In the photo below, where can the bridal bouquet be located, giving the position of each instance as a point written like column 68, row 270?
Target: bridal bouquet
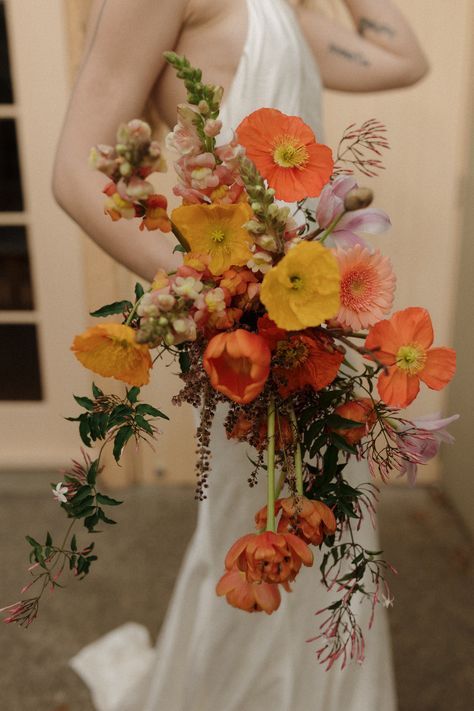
column 279, row 310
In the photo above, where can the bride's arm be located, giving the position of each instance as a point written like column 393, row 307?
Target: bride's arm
column 382, row 53
column 122, row 60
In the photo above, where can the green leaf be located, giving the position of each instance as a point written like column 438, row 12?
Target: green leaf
column 49, row 540
column 82, row 493
column 85, row 402
column 184, row 361
column 73, row 543
column 118, row 307
column 84, row 432
column 32, row 542
column 107, row 500
column 339, row 422
column 92, row 473
column 139, row 291
column 104, row 518
column 121, row 439
column 133, row 394
column 97, row 392
column 77, row 510
column 145, row 409
column 179, row 248
column 330, row 460
column 341, row 443
column 143, row 424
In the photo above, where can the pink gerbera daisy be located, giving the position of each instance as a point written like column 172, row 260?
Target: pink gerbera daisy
column 367, row 287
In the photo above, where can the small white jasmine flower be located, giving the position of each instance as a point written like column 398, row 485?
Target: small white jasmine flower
column 387, row 600
column 59, row 493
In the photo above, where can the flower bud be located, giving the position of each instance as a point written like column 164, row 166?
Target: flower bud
column 163, row 321
column 358, row 198
column 203, row 107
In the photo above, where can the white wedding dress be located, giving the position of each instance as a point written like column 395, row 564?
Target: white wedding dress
column 210, row 656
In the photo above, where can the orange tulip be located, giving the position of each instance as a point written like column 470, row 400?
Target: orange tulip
column 238, row 364
column 403, row 344
column 308, row 519
column 269, row 557
column 251, row 597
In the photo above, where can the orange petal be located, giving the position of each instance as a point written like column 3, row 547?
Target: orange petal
column 300, row 548
column 413, row 325
column 236, row 549
column 384, row 340
column 397, row 388
column 439, row 368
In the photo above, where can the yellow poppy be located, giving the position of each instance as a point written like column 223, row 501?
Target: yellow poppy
column 111, row 350
column 302, row 290
column 216, row 230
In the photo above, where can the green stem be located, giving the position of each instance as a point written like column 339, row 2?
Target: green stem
column 271, row 466
column 331, row 227
column 133, row 311
column 298, row 460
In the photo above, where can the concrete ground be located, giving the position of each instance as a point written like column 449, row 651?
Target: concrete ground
column 431, row 621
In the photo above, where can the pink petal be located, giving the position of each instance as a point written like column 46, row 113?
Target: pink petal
column 371, row 220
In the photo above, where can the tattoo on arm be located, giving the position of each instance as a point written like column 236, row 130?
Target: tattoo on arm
column 351, row 56
column 366, row 24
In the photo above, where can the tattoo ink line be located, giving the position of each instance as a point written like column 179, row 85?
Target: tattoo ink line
column 366, row 24
column 352, row 56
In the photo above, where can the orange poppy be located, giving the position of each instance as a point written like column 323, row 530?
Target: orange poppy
column 310, row 520
column 251, row 597
column 360, row 410
column 286, row 153
column 269, row 557
column 303, row 360
column 238, row 364
column 111, row 350
column 403, row 344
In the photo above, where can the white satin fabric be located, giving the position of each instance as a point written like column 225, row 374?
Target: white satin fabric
column 209, row 656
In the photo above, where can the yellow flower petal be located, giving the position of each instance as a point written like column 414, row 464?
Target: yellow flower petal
column 216, row 230
column 303, row 289
column 110, row 350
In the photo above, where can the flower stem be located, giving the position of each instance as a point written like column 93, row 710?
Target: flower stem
column 271, row 466
column 298, row 460
column 331, row 227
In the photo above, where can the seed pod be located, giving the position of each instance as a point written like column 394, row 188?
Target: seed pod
column 358, row 198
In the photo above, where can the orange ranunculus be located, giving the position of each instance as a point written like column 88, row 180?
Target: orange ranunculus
column 303, row 360
column 111, row 350
column 403, row 344
column 238, row 364
column 286, row 153
column 269, row 557
column 156, row 217
column 359, row 410
column 308, row 519
column 251, row 597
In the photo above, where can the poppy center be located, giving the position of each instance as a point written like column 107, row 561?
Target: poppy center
column 411, row 358
column 296, row 282
column 291, row 354
column 288, row 153
column 217, row 235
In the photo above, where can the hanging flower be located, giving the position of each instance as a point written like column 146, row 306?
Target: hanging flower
column 403, row 344
column 359, row 410
column 420, row 440
column 238, row 364
column 308, row 519
column 331, row 207
column 111, row 350
column 302, row 290
column 302, row 360
column 251, row 597
column 269, row 557
column 367, row 287
column 216, row 230
column 286, row 153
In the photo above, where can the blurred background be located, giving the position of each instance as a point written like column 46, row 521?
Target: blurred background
column 51, row 276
